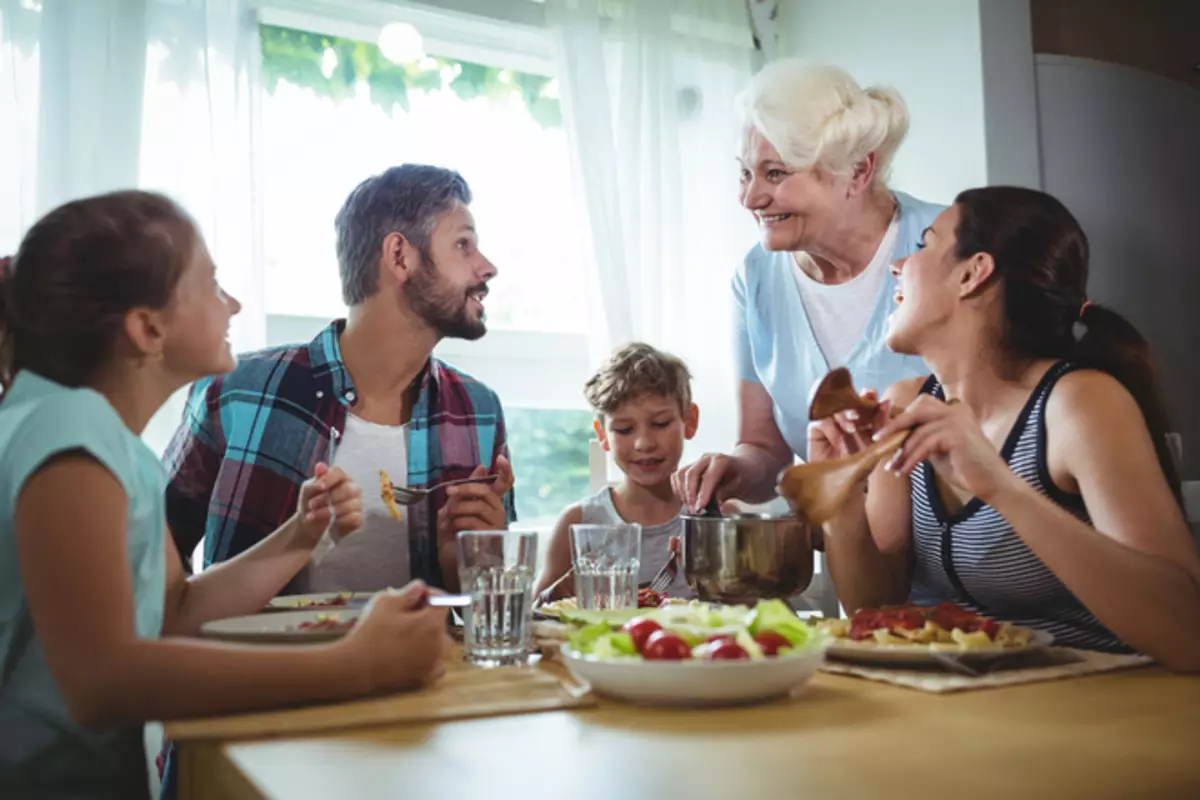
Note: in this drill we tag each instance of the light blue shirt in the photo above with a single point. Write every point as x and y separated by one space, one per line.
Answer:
43 752
776 346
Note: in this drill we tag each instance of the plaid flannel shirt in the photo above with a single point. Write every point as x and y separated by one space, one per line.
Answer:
250 438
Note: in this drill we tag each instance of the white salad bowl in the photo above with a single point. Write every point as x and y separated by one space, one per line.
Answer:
696 682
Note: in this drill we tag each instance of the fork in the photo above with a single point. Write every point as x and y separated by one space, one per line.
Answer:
410 495
666 575
544 595
956 665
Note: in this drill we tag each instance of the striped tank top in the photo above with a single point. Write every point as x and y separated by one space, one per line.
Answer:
976 559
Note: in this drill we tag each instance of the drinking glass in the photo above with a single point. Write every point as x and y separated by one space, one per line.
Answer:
606 559
497 569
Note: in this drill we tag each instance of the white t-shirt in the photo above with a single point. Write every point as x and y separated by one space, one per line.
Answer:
839 313
376 555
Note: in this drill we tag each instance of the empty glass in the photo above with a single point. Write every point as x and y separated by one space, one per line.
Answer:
497 569
606 559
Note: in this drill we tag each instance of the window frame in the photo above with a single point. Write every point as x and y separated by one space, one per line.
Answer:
526 368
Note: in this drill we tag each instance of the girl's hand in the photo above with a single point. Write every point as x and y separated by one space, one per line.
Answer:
949 437
400 641
846 432
328 496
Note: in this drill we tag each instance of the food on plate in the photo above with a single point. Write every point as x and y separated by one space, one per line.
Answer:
559 607
327 622
945 626
337 600
389 497
693 630
648 598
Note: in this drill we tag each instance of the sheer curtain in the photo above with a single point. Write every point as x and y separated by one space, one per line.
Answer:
200 137
158 94
199 144
648 95
20 80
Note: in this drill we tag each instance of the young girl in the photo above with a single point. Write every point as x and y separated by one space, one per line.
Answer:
1036 485
110 305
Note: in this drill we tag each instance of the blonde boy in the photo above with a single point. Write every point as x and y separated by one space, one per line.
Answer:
644 413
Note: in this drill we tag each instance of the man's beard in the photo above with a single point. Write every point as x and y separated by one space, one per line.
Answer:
442 306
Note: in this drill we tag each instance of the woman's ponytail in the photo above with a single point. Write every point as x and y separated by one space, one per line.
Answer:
1110 343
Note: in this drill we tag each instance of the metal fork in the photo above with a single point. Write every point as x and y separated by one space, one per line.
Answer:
410 495
666 575
544 595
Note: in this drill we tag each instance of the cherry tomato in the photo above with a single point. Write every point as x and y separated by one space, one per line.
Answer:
770 642
640 629
720 637
727 651
666 646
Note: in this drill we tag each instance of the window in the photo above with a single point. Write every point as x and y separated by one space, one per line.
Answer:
479 97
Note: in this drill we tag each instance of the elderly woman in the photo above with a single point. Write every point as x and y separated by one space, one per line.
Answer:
816 291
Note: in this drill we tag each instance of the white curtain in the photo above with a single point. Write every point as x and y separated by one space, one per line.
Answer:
155 94
115 94
648 95
200 137
20 32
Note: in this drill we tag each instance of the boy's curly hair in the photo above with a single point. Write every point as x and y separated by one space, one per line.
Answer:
636 370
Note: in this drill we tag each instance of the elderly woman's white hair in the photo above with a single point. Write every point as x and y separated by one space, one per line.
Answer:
816 115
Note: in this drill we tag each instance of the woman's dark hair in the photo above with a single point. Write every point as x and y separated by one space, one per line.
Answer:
78 271
1041 255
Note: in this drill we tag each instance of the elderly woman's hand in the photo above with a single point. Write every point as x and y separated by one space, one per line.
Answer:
846 432
714 474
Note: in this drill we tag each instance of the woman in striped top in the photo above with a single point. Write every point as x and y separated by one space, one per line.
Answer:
1036 486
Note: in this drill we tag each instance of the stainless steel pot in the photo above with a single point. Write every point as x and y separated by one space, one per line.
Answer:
742 558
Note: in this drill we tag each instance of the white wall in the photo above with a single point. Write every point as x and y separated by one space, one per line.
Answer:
929 50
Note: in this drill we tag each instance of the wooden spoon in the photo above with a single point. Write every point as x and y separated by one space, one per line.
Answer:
817 491
836 393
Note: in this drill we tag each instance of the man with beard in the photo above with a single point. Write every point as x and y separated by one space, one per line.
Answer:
365 395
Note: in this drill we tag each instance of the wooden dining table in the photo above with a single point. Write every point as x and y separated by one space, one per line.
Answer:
1125 734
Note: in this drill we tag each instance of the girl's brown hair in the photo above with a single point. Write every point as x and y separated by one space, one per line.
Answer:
1041 255
79 270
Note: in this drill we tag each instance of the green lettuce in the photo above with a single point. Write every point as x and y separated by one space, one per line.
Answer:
778 617
602 641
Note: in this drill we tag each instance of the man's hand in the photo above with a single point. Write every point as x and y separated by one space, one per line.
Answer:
471 507
476 506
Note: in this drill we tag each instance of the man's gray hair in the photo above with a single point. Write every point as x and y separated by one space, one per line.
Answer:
407 199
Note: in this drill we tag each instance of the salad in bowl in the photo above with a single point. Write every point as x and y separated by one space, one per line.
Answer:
694 653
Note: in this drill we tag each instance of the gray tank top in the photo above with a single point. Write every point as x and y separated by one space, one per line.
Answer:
599 510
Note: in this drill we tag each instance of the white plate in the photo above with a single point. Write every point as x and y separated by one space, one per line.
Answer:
694 682
281 628
320 601
922 655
